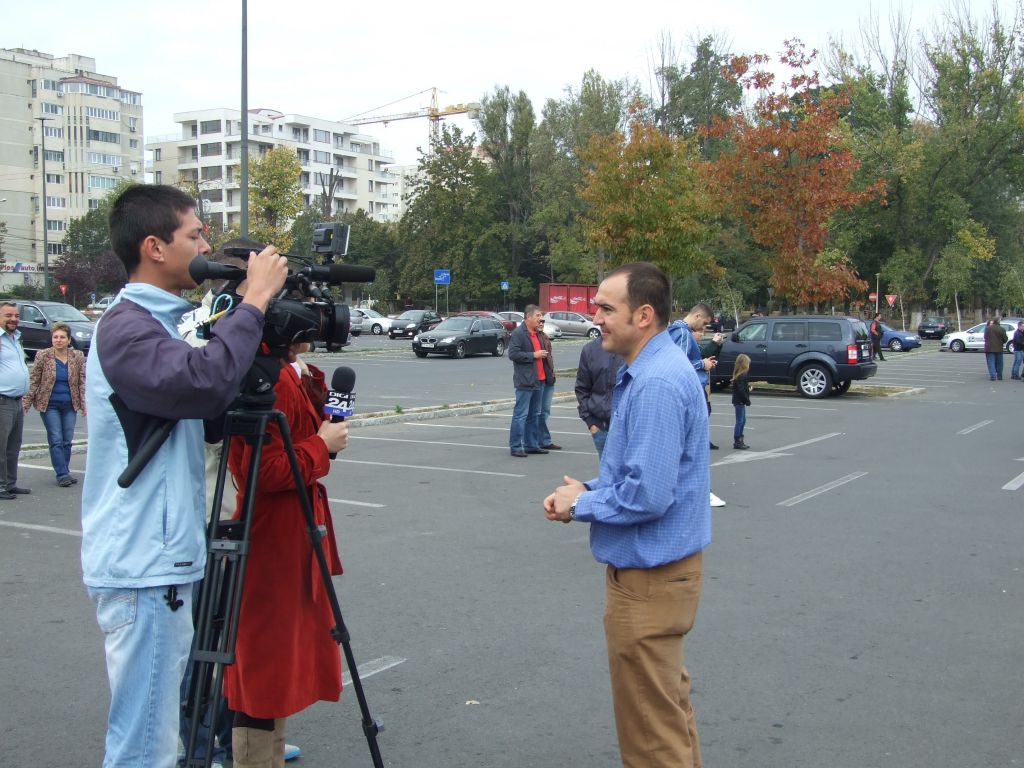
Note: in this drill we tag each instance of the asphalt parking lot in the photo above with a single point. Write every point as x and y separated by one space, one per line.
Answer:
862 604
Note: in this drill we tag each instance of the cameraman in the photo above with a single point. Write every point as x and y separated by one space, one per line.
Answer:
285 656
143 546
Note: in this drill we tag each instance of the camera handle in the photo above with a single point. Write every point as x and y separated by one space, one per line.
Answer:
221 595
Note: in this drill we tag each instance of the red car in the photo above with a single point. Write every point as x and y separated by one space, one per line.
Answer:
510 325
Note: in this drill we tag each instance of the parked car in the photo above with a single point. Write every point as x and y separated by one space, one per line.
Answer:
462 335
820 354
38 317
572 324
935 327
898 341
515 317
974 338
510 325
551 331
369 321
411 322
98 307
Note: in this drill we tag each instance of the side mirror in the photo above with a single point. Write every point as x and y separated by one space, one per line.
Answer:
735 337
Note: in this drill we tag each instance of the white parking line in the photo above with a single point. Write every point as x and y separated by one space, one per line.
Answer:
352 503
820 489
771 453
371 668
431 468
979 425
1016 483
42 528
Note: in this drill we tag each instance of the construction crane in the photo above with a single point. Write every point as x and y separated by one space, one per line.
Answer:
433 113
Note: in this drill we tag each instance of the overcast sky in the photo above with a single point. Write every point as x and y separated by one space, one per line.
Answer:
337 60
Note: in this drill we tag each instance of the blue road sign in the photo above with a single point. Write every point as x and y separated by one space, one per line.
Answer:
504 285
442 277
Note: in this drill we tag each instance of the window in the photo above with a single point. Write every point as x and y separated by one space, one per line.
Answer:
50 85
106 136
56 225
102 182
127 97
321 157
54 178
211 150
56 202
303 156
324 137
103 114
52 109
30 314
55 249
211 172
300 134
101 159
157 154
755 332
94 204
133 143
53 132
213 195
824 331
789 331
54 156
209 126
304 179
158 177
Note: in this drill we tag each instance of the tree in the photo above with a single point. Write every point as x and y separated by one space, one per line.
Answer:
970 246
275 196
89 264
787 171
646 201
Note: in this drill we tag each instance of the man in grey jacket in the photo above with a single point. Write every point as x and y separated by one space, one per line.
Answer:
527 353
144 545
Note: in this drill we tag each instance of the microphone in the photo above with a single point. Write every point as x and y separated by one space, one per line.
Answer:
339 273
199 269
340 396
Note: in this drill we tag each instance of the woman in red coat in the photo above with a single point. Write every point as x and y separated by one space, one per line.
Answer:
286 658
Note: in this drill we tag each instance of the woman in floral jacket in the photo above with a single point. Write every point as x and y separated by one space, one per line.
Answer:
57 389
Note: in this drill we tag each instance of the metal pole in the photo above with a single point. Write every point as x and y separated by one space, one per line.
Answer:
877 276
244 223
46 239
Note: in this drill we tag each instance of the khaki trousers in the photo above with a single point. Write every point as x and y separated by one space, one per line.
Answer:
647 614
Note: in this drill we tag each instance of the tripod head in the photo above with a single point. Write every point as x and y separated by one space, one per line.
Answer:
256 392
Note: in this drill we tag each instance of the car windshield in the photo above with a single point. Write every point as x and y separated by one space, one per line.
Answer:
370 312
63 313
410 316
456 324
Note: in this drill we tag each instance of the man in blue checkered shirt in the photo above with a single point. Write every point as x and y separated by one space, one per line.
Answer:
649 519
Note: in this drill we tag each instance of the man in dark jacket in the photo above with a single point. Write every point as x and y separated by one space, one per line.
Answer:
527 353
995 344
876 337
1018 350
595 380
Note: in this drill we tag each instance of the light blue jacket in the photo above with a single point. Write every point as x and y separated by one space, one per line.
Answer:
152 533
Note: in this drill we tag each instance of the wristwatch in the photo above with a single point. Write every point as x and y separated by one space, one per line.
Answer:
572 509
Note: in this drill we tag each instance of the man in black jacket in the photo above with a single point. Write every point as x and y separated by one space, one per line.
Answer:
527 353
876 337
1018 350
595 380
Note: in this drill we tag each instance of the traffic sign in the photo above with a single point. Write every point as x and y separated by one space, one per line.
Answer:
891 298
872 296
504 285
442 277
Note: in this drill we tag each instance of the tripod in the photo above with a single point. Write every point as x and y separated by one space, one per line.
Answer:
227 551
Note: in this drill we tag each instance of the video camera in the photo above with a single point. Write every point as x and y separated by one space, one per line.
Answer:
306 309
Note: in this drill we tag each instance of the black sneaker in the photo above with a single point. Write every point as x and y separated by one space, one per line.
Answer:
6 494
712 446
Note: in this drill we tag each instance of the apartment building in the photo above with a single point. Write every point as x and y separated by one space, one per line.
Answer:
68 135
207 153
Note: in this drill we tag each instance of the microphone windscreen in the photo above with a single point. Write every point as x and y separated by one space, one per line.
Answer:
343 379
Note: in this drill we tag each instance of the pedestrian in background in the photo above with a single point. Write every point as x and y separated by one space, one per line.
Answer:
544 437
1018 350
595 380
13 386
56 389
876 337
527 354
740 399
995 345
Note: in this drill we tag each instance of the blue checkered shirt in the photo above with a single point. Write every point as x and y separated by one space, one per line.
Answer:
650 503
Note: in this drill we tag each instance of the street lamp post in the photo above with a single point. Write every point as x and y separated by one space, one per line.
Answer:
46 239
877 276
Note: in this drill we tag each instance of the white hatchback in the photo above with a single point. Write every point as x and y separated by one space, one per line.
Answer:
974 338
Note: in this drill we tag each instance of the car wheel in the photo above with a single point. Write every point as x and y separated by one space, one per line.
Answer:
499 348
420 353
956 346
896 345
377 329
1009 347
594 333
841 388
814 381
460 351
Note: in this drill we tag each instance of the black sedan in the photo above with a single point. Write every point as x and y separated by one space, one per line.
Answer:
412 321
461 336
934 327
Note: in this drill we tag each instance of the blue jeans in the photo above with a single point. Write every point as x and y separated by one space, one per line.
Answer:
1018 358
600 437
741 421
59 420
147 646
545 411
524 434
995 364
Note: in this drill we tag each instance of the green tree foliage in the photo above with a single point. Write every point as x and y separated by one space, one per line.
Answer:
646 201
960 257
88 264
275 196
450 224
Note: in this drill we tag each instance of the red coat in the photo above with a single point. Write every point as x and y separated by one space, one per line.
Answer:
286 658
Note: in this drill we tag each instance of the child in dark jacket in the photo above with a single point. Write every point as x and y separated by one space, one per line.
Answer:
740 399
